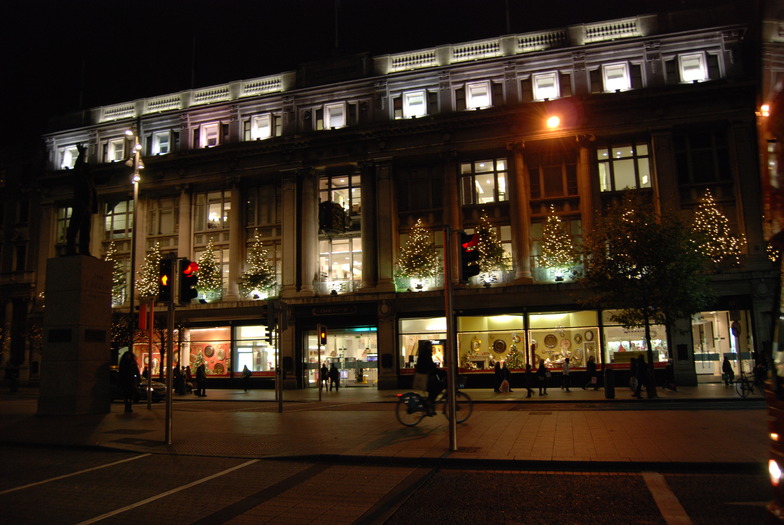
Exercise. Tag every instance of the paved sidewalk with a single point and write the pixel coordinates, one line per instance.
(696, 427)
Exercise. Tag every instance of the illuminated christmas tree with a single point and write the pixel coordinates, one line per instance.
(210, 278)
(491, 252)
(515, 359)
(147, 284)
(418, 258)
(558, 251)
(712, 233)
(118, 275)
(259, 278)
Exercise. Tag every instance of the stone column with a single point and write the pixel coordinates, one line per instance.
(288, 238)
(387, 227)
(584, 185)
(185, 220)
(236, 242)
(369, 227)
(520, 212)
(388, 353)
(309, 260)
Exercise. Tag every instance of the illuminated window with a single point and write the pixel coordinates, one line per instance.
(161, 143)
(340, 262)
(616, 77)
(345, 191)
(212, 210)
(624, 166)
(478, 95)
(484, 181)
(335, 116)
(414, 104)
(693, 67)
(210, 135)
(545, 86)
(63, 218)
(68, 157)
(118, 220)
(261, 127)
(115, 151)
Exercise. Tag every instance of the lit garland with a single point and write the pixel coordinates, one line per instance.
(557, 248)
(418, 258)
(210, 278)
(118, 275)
(147, 285)
(260, 275)
(491, 252)
(712, 233)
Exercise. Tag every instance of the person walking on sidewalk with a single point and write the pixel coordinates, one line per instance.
(590, 370)
(334, 377)
(529, 379)
(245, 377)
(566, 380)
(498, 377)
(641, 371)
(201, 381)
(541, 375)
(324, 375)
(129, 379)
(728, 372)
(506, 375)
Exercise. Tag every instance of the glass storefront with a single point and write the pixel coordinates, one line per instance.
(483, 340)
(720, 334)
(624, 344)
(414, 330)
(554, 336)
(253, 349)
(353, 350)
(211, 346)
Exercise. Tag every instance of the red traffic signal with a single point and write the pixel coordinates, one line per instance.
(189, 279)
(469, 255)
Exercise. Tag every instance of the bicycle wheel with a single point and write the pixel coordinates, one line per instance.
(410, 409)
(743, 388)
(463, 407)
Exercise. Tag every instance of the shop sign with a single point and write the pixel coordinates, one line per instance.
(334, 310)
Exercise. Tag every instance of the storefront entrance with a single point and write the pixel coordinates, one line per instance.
(719, 334)
(354, 351)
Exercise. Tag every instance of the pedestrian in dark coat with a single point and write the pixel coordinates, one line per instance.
(334, 377)
(498, 377)
(506, 375)
(590, 371)
(728, 372)
(541, 375)
(201, 381)
(324, 375)
(529, 379)
(129, 379)
(641, 373)
(566, 379)
(246, 377)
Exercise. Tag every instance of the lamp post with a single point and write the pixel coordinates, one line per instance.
(136, 163)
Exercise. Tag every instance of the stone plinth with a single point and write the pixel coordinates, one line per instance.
(77, 336)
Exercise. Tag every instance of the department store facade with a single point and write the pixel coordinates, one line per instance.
(332, 164)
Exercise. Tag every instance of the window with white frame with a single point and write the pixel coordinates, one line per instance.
(212, 210)
(546, 86)
(693, 67)
(68, 157)
(61, 228)
(340, 262)
(624, 166)
(118, 219)
(335, 115)
(478, 95)
(616, 77)
(115, 150)
(161, 143)
(261, 127)
(414, 104)
(484, 181)
(209, 135)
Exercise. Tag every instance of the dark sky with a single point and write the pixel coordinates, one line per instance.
(64, 55)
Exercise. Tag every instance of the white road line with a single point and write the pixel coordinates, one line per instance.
(671, 509)
(72, 474)
(167, 493)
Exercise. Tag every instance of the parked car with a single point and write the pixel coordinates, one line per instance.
(158, 389)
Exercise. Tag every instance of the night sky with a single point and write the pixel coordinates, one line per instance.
(62, 56)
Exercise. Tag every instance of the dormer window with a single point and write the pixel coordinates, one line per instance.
(693, 67)
(414, 104)
(478, 95)
(616, 77)
(546, 86)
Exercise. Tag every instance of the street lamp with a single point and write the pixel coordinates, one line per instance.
(135, 162)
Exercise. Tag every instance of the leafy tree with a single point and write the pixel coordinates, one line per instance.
(260, 275)
(645, 266)
(210, 278)
(418, 258)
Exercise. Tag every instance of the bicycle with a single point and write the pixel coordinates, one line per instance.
(412, 407)
(745, 386)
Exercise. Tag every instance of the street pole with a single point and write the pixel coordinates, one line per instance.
(151, 329)
(450, 352)
(170, 347)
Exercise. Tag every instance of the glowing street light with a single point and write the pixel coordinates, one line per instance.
(553, 121)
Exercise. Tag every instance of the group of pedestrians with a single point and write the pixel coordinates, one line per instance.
(541, 377)
(330, 375)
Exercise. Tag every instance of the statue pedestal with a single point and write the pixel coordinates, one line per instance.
(77, 336)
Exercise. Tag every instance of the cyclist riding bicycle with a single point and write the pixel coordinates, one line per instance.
(427, 375)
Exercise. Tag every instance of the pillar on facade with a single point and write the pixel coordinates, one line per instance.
(520, 212)
(288, 238)
(387, 240)
(452, 208)
(681, 350)
(185, 232)
(236, 243)
(388, 354)
(308, 242)
(369, 226)
(584, 185)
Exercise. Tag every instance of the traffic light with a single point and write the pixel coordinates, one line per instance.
(322, 334)
(469, 255)
(165, 278)
(189, 278)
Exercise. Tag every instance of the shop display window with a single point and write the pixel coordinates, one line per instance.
(554, 336)
(420, 329)
(211, 346)
(253, 349)
(719, 334)
(354, 350)
(626, 343)
(483, 340)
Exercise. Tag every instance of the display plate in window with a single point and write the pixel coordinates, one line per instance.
(589, 335)
(499, 346)
(550, 341)
(209, 351)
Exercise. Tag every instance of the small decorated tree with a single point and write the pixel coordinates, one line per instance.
(712, 233)
(492, 256)
(210, 278)
(418, 258)
(118, 275)
(515, 359)
(558, 251)
(259, 279)
(147, 284)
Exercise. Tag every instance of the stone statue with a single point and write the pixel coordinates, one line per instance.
(85, 203)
